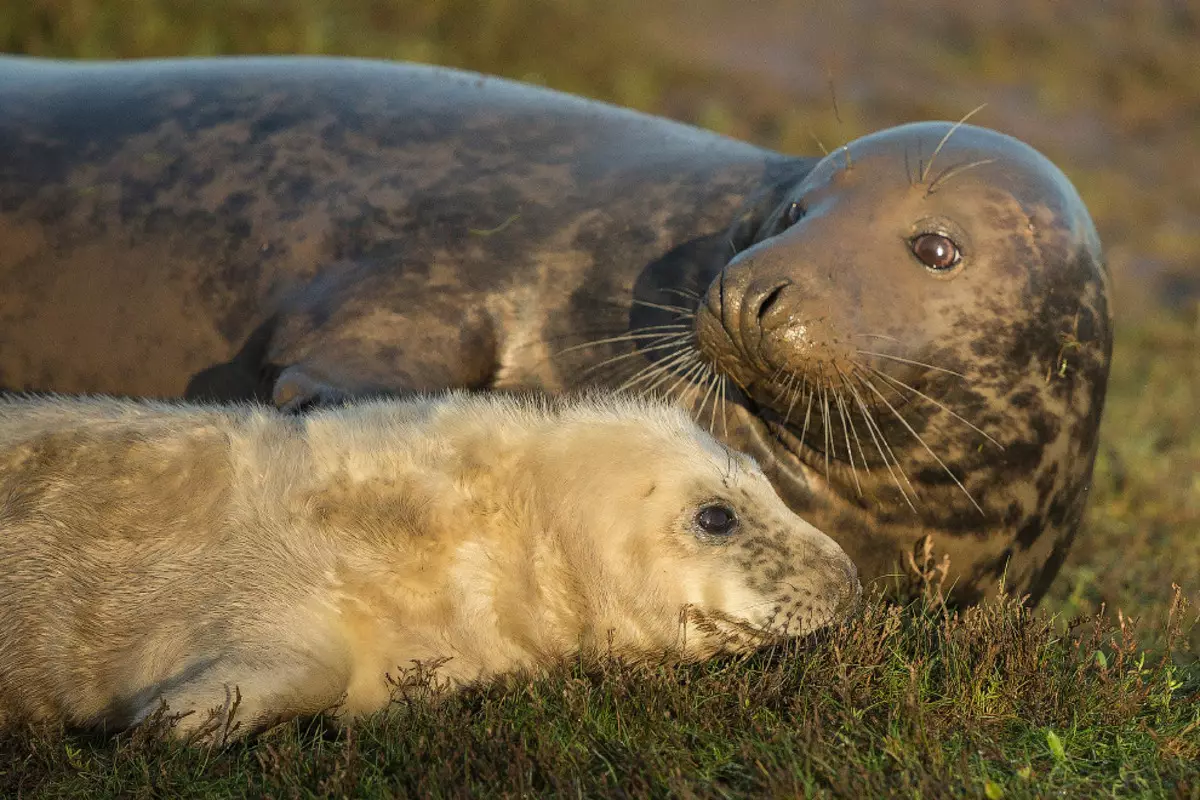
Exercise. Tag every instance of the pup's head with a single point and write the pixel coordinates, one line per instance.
(682, 541)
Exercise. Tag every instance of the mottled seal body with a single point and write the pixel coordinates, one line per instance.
(302, 230)
(152, 552)
(194, 227)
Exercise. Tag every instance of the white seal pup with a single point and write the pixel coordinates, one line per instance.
(157, 553)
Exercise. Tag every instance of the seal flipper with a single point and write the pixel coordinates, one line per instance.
(369, 329)
(371, 354)
(237, 697)
(346, 366)
(296, 390)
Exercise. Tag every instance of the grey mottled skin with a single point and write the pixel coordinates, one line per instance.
(301, 230)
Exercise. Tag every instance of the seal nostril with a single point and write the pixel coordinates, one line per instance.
(769, 300)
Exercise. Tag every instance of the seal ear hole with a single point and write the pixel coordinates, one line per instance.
(936, 251)
(716, 519)
(793, 213)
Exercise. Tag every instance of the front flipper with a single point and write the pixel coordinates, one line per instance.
(232, 699)
(297, 389)
(373, 333)
(359, 331)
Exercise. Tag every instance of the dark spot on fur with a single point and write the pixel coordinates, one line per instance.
(1022, 457)
(273, 122)
(1029, 532)
(1025, 399)
(236, 203)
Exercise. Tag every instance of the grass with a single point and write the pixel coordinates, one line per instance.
(914, 701)
(1142, 531)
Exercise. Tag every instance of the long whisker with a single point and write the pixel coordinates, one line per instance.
(782, 392)
(679, 362)
(664, 341)
(684, 313)
(865, 380)
(946, 138)
(698, 381)
(877, 336)
(910, 361)
(654, 389)
(712, 385)
(825, 424)
(724, 410)
(794, 389)
(871, 430)
(686, 377)
(775, 375)
(921, 441)
(807, 413)
(846, 433)
(630, 336)
(668, 341)
(657, 335)
(921, 394)
(682, 292)
(952, 171)
(801, 390)
(850, 416)
(654, 368)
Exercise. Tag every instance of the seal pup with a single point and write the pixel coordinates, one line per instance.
(154, 553)
(303, 230)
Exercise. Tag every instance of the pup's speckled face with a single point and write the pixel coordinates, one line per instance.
(694, 532)
(749, 565)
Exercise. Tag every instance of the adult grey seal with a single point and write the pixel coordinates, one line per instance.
(912, 335)
(181, 554)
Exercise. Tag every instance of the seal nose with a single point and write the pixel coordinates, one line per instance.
(843, 575)
(852, 599)
(762, 299)
(760, 309)
(740, 298)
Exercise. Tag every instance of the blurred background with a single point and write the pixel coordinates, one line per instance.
(1108, 90)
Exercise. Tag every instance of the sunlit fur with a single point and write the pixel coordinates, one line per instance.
(153, 552)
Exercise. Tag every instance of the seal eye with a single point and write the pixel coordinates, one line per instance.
(716, 519)
(793, 213)
(936, 251)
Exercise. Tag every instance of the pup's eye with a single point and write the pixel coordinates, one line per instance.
(716, 519)
(794, 212)
(937, 252)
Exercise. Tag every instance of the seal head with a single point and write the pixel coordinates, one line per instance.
(921, 338)
(691, 526)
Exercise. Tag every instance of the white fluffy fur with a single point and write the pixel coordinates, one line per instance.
(153, 552)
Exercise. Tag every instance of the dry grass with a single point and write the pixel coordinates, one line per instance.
(912, 701)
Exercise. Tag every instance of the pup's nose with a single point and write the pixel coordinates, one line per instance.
(848, 587)
(852, 598)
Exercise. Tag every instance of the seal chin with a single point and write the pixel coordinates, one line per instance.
(841, 601)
